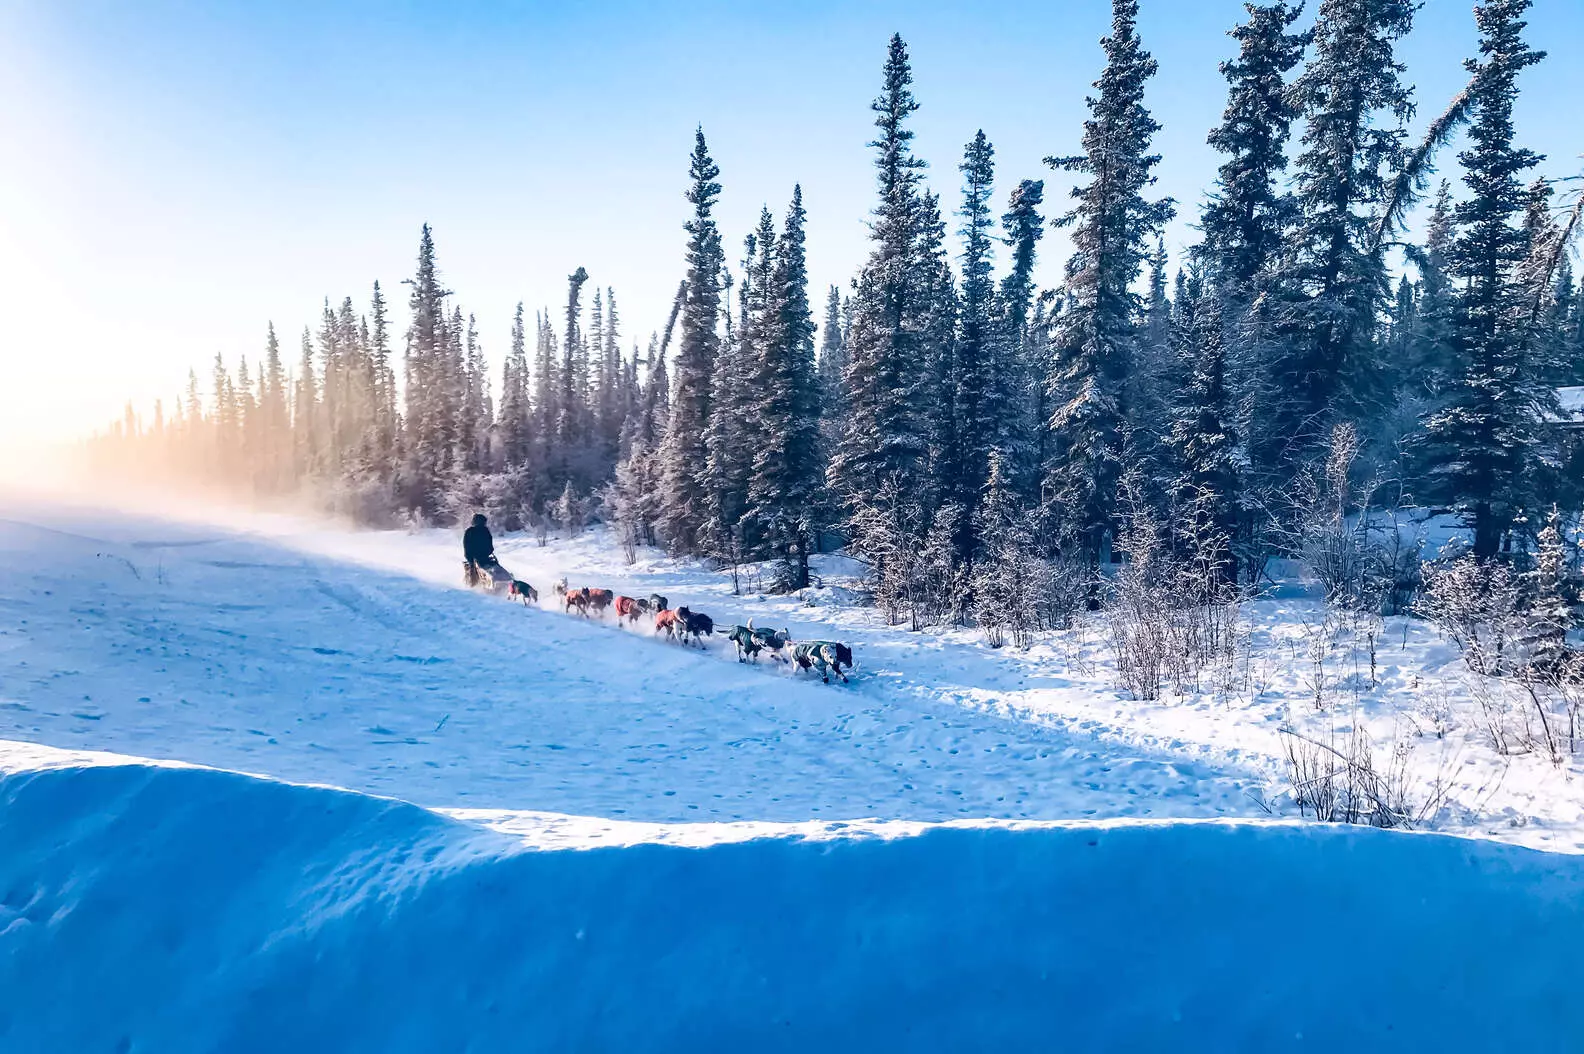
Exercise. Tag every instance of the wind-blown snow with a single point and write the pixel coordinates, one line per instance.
(182, 909)
(250, 653)
(624, 844)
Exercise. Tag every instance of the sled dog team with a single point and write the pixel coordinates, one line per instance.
(483, 569)
(691, 627)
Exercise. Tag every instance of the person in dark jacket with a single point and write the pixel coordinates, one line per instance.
(478, 548)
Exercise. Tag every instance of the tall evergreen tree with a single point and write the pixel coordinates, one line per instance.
(1021, 363)
(1248, 214)
(684, 458)
(570, 438)
(734, 429)
(881, 437)
(305, 412)
(1204, 439)
(1481, 441)
(786, 469)
(977, 410)
(516, 428)
(385, 425)
(1097, 336)
(276, 419)
(428, 451)
(1335, 281)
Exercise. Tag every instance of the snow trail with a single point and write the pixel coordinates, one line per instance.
(199, 644)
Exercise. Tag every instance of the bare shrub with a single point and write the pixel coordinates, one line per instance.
(1478, 605)
(1170, 613)
(1339, 780)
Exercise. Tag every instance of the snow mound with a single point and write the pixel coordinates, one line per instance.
(149, 908)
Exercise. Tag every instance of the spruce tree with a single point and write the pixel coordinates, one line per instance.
(1432, 360)
(977, 404)
(277, 431)
(684, 458)
(305, 412)
(1248, 213)
(734, 429)
(1480, 443)
(428, 450)
(1021, 364)
(515, 406)
(1334, 280)
(1096, 342)
(385, 424)
(569, 437)
(1204, 440)
(786, 468)
(881, 438)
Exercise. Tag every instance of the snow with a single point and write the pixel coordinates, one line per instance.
(303, 651)
(193, 909)
(616, 842)
(267, 655)
(1570, 401)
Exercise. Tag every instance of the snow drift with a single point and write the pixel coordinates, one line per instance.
(147, 908)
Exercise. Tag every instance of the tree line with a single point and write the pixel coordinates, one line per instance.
(961, 429)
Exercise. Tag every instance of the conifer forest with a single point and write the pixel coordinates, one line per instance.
(982, 443)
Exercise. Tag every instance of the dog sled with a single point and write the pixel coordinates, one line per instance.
(491, 577)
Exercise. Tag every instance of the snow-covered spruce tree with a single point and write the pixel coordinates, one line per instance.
(1007, 578)
(277, 420)
(1155, 375)
(1204, 442)
(473, 416)
(571, 380)
(428, 448)
(1551, 614)
(787, 470)
(1432, 362)
(1096, 336)
(332, 381)
(734, 430)
(977, 410)
(881, 437)
(1020, 363)
(1559, 325)
(1248, 214)
(1333, 281)
(683, 458)
(610, 397)
(832, 350)
(514, 424)
(935, 324)
(384, 430)
(1478, 445)
(305, 412)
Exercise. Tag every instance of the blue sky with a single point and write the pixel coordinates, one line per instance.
(178, 174)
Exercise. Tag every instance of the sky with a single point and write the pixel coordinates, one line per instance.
(176, 175)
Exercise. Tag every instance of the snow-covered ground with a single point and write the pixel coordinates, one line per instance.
(179, 909)
(358, 660)
(311, 653)
(618, 842)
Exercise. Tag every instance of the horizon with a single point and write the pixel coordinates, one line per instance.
(190, 177)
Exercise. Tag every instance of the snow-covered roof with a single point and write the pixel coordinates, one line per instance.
(1570, 404)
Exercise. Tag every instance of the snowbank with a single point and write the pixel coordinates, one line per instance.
(169, 909)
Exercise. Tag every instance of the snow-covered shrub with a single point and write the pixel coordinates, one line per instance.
(497, 495)
(917, 582)
(1169, 613)
(1339, 780)
(569, 512)
(1478, 605)
(621, 512)
(1332, 543)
